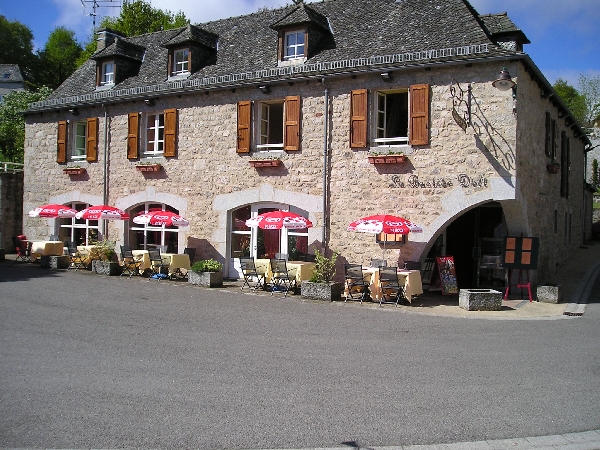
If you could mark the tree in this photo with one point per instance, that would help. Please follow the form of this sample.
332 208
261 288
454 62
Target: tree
572 99
16 45
590 90
58 58
12 122
137 18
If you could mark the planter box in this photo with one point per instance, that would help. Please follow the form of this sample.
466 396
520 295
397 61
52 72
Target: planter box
148 167
265 162
74 170
321 291
550 293
480 299
54 262
387 159
206 279
106 267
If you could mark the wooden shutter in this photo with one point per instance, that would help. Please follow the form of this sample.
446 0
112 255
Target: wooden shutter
548 148
358 118
419 114
291 132
243 126
91 140
61 147
133 135
170 133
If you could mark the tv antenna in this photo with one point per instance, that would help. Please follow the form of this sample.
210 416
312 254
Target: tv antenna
96 4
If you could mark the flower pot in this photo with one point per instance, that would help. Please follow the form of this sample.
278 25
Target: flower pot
387 159
74 170
206 279
265 162
148 167
321 291
553 168
106 267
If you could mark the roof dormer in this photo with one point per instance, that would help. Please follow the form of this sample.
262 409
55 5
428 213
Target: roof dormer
190 51
504 32
116 59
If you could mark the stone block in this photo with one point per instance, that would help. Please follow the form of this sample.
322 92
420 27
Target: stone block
480 299
54 262
321 291
549 293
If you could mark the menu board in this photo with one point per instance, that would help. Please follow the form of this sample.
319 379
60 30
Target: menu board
447 275
521 252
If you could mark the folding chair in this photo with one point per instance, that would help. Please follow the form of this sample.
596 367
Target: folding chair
131 265
252 278
21 249
281 279
388 283
76 259
157 266
191 252
355 281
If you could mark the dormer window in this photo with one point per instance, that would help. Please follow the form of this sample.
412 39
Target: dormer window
108 73
181 61
294 45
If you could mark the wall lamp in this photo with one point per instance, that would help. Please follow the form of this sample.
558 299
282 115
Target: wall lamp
74 111
504 82
149 101
387 76
265 89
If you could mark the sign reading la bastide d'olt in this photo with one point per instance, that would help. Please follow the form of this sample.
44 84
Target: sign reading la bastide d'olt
462 180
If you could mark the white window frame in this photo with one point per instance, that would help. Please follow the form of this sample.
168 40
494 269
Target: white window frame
264 115
78 149
92 231
155 134
382 140
180 61
294 50
163 230
108 73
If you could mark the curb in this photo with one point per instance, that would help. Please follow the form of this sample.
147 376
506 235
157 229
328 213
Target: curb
581 296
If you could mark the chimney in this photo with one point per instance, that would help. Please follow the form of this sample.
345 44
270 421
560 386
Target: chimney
105 37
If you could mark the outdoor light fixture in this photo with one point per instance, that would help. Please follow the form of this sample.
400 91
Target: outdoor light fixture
387 76
265 89
505 82
74 111
149 101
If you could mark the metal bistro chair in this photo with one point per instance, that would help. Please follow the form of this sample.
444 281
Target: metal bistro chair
252 278
355 281
389 284
21 249
131 265
76 259
378 263
281 279
157 266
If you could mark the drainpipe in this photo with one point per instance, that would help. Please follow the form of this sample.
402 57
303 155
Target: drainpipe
325 155
105 177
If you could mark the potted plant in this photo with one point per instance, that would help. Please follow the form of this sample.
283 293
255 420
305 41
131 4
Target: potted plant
321 285
148 166
262 160
554 166
74 170
386 158
206 273
104 258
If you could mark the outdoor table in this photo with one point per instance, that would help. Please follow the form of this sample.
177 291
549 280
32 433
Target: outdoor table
410 278
46 248
302 270
144 256
175 260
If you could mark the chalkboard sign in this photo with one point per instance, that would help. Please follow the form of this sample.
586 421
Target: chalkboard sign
521 252
447 274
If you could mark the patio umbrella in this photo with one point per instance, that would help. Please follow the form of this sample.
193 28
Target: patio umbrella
102 212
384 223
53 211
158 218
276 220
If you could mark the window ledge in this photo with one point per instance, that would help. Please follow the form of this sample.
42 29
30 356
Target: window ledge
105 87
292 62
179 76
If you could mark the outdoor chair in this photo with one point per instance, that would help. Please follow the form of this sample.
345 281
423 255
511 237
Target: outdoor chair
252 278
162 248
378 263
355 282
131 265
390 287
191 252
22 249
76 259
281 280
159 269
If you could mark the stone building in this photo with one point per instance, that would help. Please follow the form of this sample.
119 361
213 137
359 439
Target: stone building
317 88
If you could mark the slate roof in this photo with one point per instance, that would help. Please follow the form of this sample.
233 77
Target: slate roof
500 24
193 34
122 48
367 31
10 73
302 14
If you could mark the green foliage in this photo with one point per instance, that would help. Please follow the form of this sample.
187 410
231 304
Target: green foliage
12 122
324 269
58 58
103 251
572 99
590 90
206 265
16 44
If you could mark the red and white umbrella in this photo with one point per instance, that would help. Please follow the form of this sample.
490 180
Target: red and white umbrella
276 220
102 212
159 218
53 211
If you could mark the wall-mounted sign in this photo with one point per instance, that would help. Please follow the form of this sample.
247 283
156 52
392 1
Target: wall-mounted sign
521 252
462 180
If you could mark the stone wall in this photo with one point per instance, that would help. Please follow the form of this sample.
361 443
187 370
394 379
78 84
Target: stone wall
11 208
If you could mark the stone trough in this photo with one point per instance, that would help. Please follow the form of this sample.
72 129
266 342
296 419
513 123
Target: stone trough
480 299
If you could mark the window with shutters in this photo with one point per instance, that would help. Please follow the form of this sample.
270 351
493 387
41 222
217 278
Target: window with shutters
391 118
79 140
277 124
152 134
155 134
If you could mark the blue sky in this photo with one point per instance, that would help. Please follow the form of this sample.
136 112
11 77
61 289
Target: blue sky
564 34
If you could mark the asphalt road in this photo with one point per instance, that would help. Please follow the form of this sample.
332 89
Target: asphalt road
106 362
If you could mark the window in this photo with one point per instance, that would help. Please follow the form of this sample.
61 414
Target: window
160 134
84 144
155 134
80 231
108 73
79 142
271 125
181 62
294 45
399 117
147 236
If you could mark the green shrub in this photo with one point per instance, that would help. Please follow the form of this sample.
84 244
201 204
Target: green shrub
103 251
207 265
324 268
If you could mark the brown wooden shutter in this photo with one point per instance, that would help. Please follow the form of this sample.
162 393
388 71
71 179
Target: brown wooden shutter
291 132
170 133
61 147
91 140
358 118
133 135
243 126
419 114
98 69
170 63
